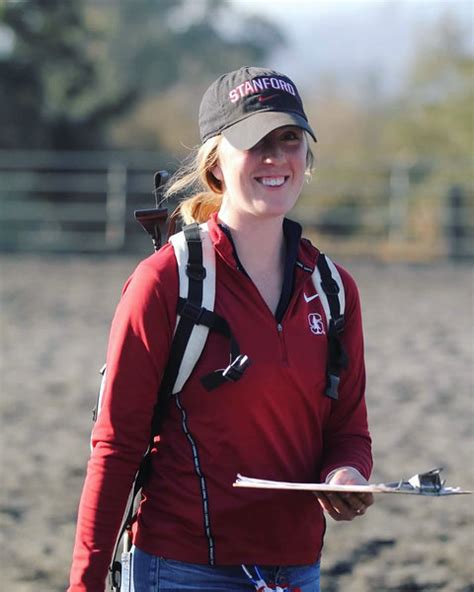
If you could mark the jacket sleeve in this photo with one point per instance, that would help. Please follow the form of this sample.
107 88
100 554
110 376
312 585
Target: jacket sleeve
346 440
137 353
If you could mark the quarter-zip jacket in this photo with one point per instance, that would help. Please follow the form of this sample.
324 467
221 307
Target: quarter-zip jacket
274 423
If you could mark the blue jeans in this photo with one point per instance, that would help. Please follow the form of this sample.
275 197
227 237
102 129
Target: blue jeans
155 574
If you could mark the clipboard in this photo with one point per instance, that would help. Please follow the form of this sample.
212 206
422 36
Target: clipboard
427 484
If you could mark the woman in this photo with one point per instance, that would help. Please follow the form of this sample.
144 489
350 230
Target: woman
195 531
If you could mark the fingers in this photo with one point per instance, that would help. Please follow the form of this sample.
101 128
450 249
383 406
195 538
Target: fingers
328 507
366 498
344 506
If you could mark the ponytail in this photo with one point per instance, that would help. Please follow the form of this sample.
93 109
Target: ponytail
198 175
199 207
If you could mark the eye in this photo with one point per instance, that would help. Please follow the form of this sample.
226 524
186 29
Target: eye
291 135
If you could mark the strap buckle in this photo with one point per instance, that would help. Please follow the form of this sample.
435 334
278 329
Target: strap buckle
336 326
115 576
196 271
332 386
192 312
235 370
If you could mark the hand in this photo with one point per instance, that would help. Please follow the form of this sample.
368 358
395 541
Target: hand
345 506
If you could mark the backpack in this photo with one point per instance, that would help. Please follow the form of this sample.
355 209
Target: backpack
195 257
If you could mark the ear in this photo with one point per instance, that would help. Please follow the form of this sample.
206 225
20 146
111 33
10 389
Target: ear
217 172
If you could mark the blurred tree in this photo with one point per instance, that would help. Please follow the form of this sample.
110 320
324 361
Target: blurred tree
48 82
425 133
435 115
155 43
76 67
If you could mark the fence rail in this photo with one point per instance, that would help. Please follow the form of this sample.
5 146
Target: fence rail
84 201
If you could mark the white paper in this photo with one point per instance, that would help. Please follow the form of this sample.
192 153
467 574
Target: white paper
242 481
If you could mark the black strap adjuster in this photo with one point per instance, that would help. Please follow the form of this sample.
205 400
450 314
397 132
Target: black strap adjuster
235 370
196 271
332 386
115 576
336 326
191 311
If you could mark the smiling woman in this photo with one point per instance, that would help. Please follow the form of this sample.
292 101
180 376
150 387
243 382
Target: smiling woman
267 128
277 420
265 180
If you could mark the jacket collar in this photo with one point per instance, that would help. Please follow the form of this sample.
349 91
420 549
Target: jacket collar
300 258
299 251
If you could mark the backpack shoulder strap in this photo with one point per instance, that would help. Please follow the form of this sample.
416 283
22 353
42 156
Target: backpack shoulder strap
328 283
196 260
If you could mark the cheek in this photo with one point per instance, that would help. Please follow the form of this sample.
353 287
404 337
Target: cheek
236 172
303 162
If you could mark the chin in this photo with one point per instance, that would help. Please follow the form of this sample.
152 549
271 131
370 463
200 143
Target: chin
276 208
272 212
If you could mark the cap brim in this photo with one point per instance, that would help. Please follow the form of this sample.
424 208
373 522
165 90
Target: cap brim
249 131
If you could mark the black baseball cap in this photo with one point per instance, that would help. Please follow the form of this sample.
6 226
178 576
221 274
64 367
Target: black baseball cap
247 104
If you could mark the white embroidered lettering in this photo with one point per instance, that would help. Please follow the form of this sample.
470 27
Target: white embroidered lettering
316 323
248 88
256 85
275 83
239 88
233 96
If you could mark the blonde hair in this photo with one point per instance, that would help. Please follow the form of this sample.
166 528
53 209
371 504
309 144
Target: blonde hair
197 175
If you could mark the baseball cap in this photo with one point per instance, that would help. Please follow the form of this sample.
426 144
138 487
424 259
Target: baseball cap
247 104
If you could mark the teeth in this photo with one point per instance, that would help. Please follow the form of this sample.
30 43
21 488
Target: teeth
272 181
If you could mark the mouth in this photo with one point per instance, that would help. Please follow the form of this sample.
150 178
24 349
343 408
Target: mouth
271 181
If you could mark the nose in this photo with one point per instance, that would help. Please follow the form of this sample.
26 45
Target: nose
272 152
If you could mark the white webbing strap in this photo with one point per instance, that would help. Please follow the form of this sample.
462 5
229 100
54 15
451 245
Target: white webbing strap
199 334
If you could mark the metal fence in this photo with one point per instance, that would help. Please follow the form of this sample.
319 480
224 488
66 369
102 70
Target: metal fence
84 201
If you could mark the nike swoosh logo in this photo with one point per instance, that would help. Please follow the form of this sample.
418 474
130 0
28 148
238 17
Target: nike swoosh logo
309 298
267 98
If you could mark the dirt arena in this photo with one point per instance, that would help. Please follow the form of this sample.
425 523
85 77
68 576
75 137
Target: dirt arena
419 348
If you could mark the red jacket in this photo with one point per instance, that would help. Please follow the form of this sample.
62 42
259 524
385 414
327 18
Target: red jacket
274 423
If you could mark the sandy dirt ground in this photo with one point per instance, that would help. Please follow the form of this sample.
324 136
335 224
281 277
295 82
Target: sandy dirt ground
419 348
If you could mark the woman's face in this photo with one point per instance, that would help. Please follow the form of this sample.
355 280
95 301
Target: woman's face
267 179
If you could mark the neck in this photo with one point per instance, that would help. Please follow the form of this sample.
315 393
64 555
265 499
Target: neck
261 248
259 242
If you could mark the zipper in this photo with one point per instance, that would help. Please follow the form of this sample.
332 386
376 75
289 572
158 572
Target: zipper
283 350
279 326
